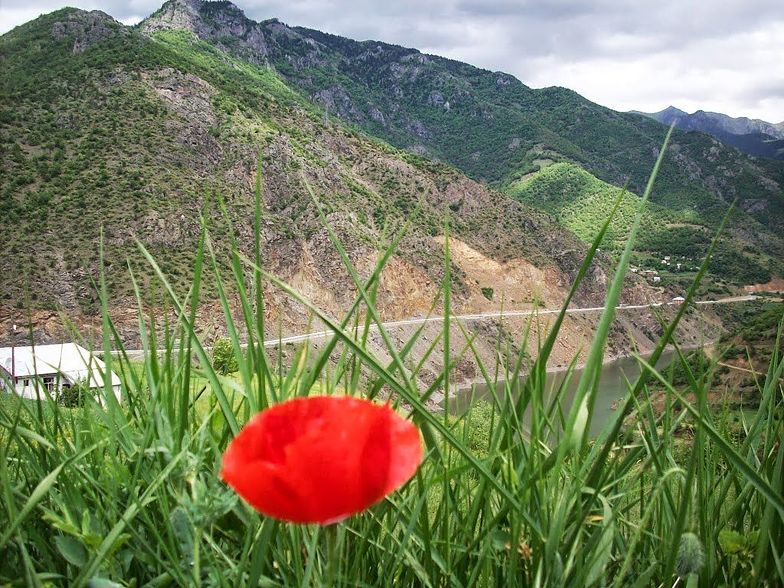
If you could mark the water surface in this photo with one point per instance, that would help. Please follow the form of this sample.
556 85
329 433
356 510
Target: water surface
613 388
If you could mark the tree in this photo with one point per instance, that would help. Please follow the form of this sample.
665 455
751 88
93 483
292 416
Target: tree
223 359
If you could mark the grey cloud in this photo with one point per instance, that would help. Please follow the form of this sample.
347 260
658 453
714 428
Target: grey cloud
558 9
761 90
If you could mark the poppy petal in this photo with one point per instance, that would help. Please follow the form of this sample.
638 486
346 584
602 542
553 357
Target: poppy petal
321 459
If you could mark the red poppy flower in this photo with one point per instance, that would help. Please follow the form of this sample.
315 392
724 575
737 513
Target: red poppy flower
321 459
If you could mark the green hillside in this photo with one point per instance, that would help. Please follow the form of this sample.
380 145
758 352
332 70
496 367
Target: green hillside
87 146
581 202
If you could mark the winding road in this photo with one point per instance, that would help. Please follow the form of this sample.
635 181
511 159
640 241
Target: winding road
465 318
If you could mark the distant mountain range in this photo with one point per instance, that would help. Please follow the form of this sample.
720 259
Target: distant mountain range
752 136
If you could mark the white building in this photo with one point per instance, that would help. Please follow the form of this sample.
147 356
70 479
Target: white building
54 367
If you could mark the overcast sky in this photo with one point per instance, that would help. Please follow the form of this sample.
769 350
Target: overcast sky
720 55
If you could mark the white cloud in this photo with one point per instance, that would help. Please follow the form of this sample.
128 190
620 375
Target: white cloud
723 56
740 75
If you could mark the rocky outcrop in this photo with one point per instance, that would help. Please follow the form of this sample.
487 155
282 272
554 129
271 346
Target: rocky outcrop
220 22
85 29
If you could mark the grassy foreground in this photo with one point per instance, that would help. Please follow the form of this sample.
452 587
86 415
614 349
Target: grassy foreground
129 495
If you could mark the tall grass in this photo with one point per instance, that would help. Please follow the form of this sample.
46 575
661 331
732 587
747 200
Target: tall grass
128 494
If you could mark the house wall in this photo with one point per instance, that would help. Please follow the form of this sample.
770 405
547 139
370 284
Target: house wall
27 387
30 388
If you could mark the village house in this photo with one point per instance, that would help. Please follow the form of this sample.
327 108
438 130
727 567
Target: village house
53 367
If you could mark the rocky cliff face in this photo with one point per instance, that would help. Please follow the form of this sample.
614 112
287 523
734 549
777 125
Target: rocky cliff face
737 126
87 29
219 22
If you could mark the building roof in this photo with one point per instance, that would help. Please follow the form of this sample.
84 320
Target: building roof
68 360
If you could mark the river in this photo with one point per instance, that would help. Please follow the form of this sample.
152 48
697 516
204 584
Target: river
612 388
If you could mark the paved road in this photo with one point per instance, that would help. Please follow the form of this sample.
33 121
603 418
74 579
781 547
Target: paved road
466 318
742 369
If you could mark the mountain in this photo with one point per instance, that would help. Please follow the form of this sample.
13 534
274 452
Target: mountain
752 136
666 116
109 135
710 122
112 134
489 124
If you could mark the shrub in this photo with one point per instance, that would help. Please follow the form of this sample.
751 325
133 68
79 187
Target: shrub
74 395
223 359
